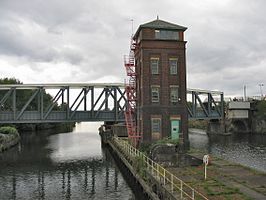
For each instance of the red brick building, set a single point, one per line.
(160, 59)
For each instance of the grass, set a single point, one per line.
(213, 188)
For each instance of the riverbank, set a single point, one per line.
(225, 179)
(9, 137)
(68, 127)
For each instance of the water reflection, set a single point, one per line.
(50, 168)
(246, 149)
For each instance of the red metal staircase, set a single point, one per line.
(130, 87)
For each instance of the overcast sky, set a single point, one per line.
(44, 41)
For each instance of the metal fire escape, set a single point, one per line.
(130, 87)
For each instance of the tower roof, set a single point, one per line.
(160, 24)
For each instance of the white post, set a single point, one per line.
(206, 162)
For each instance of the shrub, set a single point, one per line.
(261, 109)
(145, 148)
(8, 130)
(2, 138)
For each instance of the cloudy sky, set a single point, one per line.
(85, 40)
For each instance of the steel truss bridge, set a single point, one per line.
(76, 102)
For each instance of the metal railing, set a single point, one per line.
(174, 185)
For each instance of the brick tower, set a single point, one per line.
(160, 60)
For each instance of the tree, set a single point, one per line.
(10, 81)
(22, 96)
(261, 109)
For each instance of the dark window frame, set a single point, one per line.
(154, 65)
(155, 98)
(173, 66)
(162, 34)
(156, 125)
(174, 97)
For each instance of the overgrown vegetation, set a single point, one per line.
(22, 97)
(8, 130)
(140, 166)
(213, 187)
(145, 148)
(9, 136)
(199, 124)
(261, 109)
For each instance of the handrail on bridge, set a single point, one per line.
(174, 185)
(60, 85)
(201, 91)
(78, 85)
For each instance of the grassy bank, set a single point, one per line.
(9, 137)
(225, 180)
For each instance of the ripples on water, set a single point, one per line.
(62, 166)
(246, 149)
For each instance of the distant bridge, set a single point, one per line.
(76, 102)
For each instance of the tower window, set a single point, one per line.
(156, 128)
(155, 94)
(166, 35)
(156, 125)
(154, 65)
(173, 66)
(174, 93)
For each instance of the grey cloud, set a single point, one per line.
(226, 39)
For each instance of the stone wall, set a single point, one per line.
(215, 127)
(259, 126)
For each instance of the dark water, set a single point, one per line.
(246, 149)
(61, 166)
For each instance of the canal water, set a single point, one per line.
(246, 149)
(61, 166)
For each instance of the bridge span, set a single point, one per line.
(76, 102)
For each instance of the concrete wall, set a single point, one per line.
(119, 130)
(241, 105)
(237, 114)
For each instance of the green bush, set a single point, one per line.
(2, 138)
(140, 166)
(261, 109)
(8, 130)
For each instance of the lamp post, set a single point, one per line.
(261, 85)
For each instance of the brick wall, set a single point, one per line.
(163, 49)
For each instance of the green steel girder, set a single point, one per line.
(91, 102)
(198, 108)
(65, 105)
